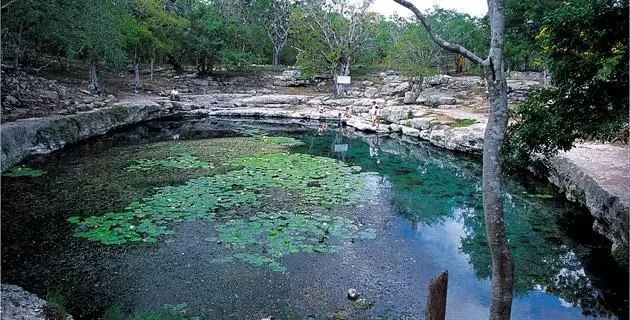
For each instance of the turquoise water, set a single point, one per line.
(422, 204)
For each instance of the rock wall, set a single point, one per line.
(27, 137)
(609, 210)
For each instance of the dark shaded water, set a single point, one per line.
(425, 209)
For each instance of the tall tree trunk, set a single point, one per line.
(173, 61)
(136, 77)
(93, 84)
(276, 56)
(16, 57)
(502, 282)
(152, 63)
(344, 70)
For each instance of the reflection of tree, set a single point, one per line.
(541, 260)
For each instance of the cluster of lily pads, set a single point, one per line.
(311, 180)
(273, 235)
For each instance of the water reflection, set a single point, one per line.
(437, 190)
(433, 195)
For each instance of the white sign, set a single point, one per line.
(343, 79)
(341, 148)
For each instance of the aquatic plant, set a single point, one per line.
(318, 181)
(181, 161)
(266, 236)
(23, 171)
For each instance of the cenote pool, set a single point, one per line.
(245, 219)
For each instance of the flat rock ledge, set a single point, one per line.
(18, 304)
(44, 135)
(597, 190)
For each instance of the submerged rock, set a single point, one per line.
(353, 294)
(23, 305)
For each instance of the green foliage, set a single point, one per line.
(585, 43)
(23, 171)
(523, 21)
(469, 32)
(462, 123)
(181, 161)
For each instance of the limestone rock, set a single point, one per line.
(401, 88)
(421, 123)
(23, 305)
(436, 80)
(295, 74)
(408, 131)
(410, 97)
(370, 92)
(353, 294)
(440, 100)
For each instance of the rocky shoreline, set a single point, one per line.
(27, 137)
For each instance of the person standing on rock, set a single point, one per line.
(375, 113)
(175, 94)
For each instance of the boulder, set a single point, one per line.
(397, 113)
(410, 97)
(436, 80)
(421, 124)
(353, 294)
(395, 128)
(295, 74)
(370, 92)
(408, 131)
(440, 100)
(401, 88)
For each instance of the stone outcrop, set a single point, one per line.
(27, 137)
(22, 305)
(598, 190)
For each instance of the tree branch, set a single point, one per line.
(8, 3)
(437, 39)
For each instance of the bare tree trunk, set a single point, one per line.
(173, 61)
(16, 58)
(136, 77)
(152, 63)
(94, 75)
(276, 55)
(502, 282)
(344, 70)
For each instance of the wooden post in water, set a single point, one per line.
(436, 300)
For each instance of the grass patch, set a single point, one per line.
(458, 123)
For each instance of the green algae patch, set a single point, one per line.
(181, 161)
(317, 181)
(283, 141)
(263, 238)
(23, 171)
